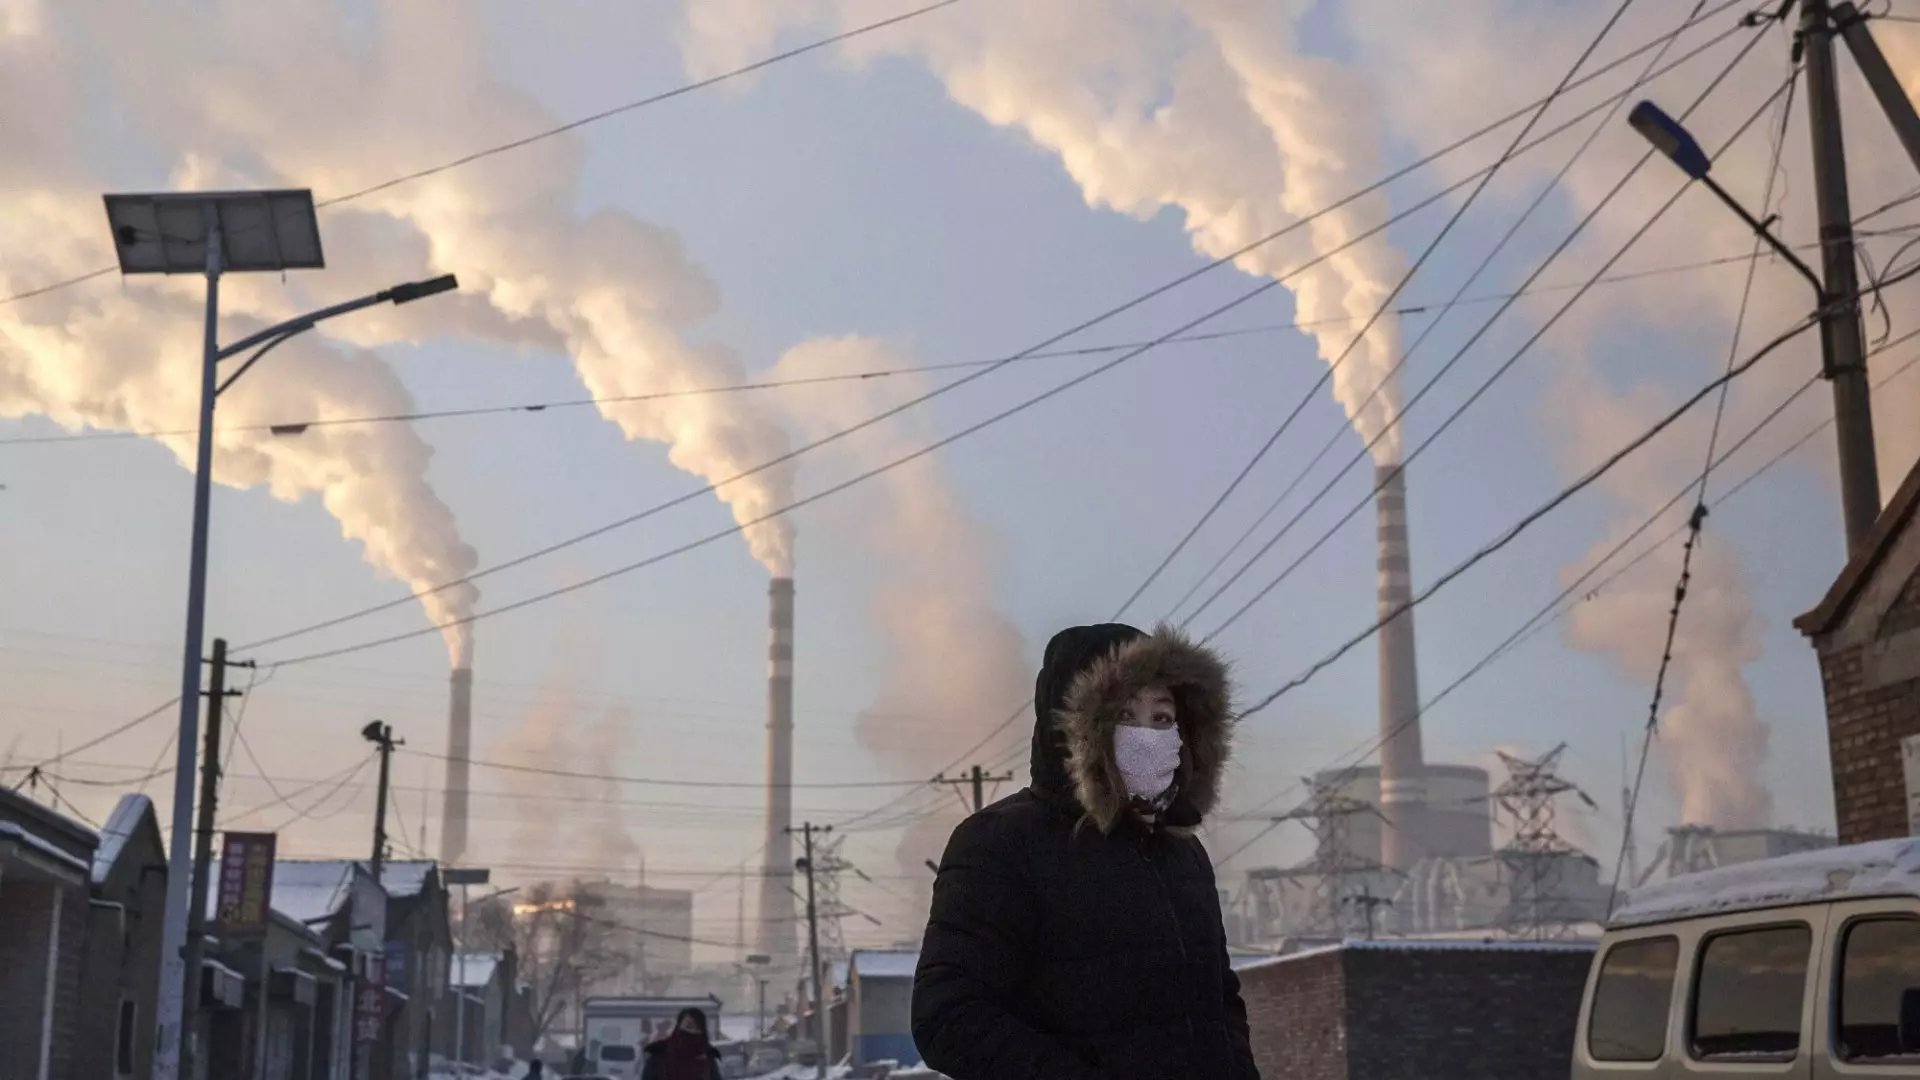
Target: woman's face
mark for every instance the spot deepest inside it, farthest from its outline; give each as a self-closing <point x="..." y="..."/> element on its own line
<point x="691" y="1025"/>
<point x="1149" y="708"/>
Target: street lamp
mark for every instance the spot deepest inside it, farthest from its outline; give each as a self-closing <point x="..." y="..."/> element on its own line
<point x="215" y="233"/>
<point x="463" y="877"/>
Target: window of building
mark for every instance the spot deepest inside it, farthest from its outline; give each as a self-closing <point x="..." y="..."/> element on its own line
<point x="1879" y="987"/>
<point x="1749" y="995"/>
<point x="123" y="1039"/>
<point x="1631" y="1001"/>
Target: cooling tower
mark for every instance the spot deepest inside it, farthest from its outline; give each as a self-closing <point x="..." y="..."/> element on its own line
<point x="1403" y="795"/>
<point x="453" y="811"/>
<point x="776" y="893"/>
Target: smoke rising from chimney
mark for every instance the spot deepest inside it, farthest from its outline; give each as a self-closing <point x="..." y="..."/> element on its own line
<point x="951" y="661"/>
<point x="1203" y="106"/>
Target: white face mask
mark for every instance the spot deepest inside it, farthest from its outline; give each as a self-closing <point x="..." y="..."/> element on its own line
<point x="1148" y="758"/>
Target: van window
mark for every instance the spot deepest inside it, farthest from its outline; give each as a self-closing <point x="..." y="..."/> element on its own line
<point x="616" y="1053"/>
<point x="1880" y="992"/>
<point x="1631" y="1000"/>
<point x="1747" y="1000"/>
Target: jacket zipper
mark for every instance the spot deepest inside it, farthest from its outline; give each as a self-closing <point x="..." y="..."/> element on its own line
<point x="1179" y="939"/>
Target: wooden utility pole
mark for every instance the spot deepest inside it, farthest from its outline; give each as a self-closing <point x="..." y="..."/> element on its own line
<point x="978" y="778"/>
<point x="217" y="694"/>
<point x="805" y="864"/>
<point x="381" y="735"/>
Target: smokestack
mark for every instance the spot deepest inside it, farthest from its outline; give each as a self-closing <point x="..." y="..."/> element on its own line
<point x="453" y="811"/>
<point x="1403" y="785"/>
<point x="776" y="897"/>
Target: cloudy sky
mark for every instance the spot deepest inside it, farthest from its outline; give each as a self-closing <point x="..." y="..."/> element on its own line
<point x="954" y="189"/>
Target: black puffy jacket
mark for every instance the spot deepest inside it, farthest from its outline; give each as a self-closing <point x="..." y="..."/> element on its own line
<point x="1071" y="938"/>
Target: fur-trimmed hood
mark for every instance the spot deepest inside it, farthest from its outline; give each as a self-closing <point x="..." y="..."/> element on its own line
<point x="1088" y="674"/>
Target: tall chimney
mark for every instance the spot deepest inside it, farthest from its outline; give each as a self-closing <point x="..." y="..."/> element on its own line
<point x="453" y="811"/>
<point x="776" y="935"/>
<point x="1403" y="785"/>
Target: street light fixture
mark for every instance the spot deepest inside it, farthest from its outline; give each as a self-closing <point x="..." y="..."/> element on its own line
<point x="463" y="877"/>
<point x="215" y="233"/>
<point x="1678" y="145"/>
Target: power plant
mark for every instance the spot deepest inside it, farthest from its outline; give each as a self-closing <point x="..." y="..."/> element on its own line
<point x="453" y="808"/>
<point x="776" y="937"/>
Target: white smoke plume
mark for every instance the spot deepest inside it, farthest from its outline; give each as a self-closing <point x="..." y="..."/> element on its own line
<point x="953" y="662"/>
<point x="559" y="731"/>
<point x="406" y="88"/>
<point x="1207" y="107"/>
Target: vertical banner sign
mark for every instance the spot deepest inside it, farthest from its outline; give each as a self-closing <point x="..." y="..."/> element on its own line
<point x="246" y="884"/>
<point x="1910" y="757"/>
<point x="370" y="1007"/>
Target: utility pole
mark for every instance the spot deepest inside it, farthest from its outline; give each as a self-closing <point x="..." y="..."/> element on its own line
<point x="217" y="694"/>
<point x="1842" y="341"/>
<point x="978" y="778"/>
<point x="1367" y="902"/>
<point x="805" y="865"/>
<point x="381" y="735"/>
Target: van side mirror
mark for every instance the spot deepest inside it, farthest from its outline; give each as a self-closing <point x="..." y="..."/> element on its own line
<point x="1910" y="1020"/>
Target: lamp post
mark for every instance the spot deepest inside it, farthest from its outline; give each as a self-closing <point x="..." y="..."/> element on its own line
<point x="215" y="233"/>
<point x="1843" y="350"/>
<point x="464" y="877"/>
<point x="756" y="967"/>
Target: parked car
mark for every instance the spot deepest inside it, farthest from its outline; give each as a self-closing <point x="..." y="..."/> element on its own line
<point x="1805" y="966"/>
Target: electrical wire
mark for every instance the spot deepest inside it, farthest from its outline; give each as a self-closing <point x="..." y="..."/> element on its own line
<point x="1387" y="301"/>
<point x="294" y="427"/>
<point x="1110" y="313"/>
<point x="557" y="130"/>
<point x="569" y="774"/>
<point x="1514" y="531"/>
<point x="1492" y="379"/>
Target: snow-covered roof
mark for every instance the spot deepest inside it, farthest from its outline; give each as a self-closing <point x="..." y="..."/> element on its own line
<point x="20" y="835"/>
<point x="884" y="963"/>
<point x="306" y="892"/>
<point x="406" y="877"/>
<point x="472" y="969"/>
<point x="1417" y="945"/>
<point x="128" y="815"/>
<point x="1883" y="868"/>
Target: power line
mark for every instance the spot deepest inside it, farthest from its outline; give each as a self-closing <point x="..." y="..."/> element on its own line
<point x="561" y="129"/>
<point x="1497" y="374"/>
<point x="1546" y="508"/>
<point x="295" y="427"/>
<point x="995" y="366"/>
<point x="570" y="774"/>
<point x="1386" y="302"/>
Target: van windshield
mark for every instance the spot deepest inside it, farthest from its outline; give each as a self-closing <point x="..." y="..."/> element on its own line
<point x="616" y="1053"/>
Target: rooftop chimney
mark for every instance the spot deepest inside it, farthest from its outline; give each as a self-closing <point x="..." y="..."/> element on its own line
<point x="453" y="812"/>
<point x="776" y="937"/>
<point x="1403" y="785"/>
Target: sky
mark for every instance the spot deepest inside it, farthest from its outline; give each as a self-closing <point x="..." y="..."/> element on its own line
<point x="957" y="188"/>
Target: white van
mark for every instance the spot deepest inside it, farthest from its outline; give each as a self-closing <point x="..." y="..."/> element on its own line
<point x="1805" y="967"/>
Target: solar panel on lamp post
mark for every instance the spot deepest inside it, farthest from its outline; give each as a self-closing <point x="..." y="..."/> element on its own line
<point x="215" y="233"/>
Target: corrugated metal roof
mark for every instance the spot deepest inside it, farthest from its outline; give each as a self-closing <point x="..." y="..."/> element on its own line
<point x="405" y="878"/>
<point x="128" y="816"/>
<point x="884" y="963"/>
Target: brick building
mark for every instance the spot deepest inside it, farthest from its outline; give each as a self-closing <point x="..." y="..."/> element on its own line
<point x="1867" y="634"/>
<point x="1417" y="1010"/>
<point x="46" y="862"/>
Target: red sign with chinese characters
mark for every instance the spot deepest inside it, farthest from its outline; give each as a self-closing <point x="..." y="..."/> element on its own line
<point x="246" y="884"/>
<point x="370" y="1005"/>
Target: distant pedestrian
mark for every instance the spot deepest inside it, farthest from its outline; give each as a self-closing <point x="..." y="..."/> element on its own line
<point x="534" y="1068"/>
<point x="685" y="1054"/>
<point x="1076" y="930"/>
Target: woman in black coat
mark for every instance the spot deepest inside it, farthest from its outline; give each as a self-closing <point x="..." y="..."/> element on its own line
<point x="687" y="1054"/>
<point x="1076" y="932"/>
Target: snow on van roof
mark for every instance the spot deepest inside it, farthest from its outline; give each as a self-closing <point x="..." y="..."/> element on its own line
<point x="1882" y="868"/>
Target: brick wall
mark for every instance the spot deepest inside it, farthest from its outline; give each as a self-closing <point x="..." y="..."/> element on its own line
<point x="1418" y="1011"/>
<point x="1869" y="711"/>
<point x="26" y="909"/>
<point x="1296" y="1009"/>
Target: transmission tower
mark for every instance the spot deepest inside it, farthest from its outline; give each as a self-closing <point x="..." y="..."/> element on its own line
<point x="1334" y="882"/>
<point x="1537" y="906"/>
<point x="827" y="869"/>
